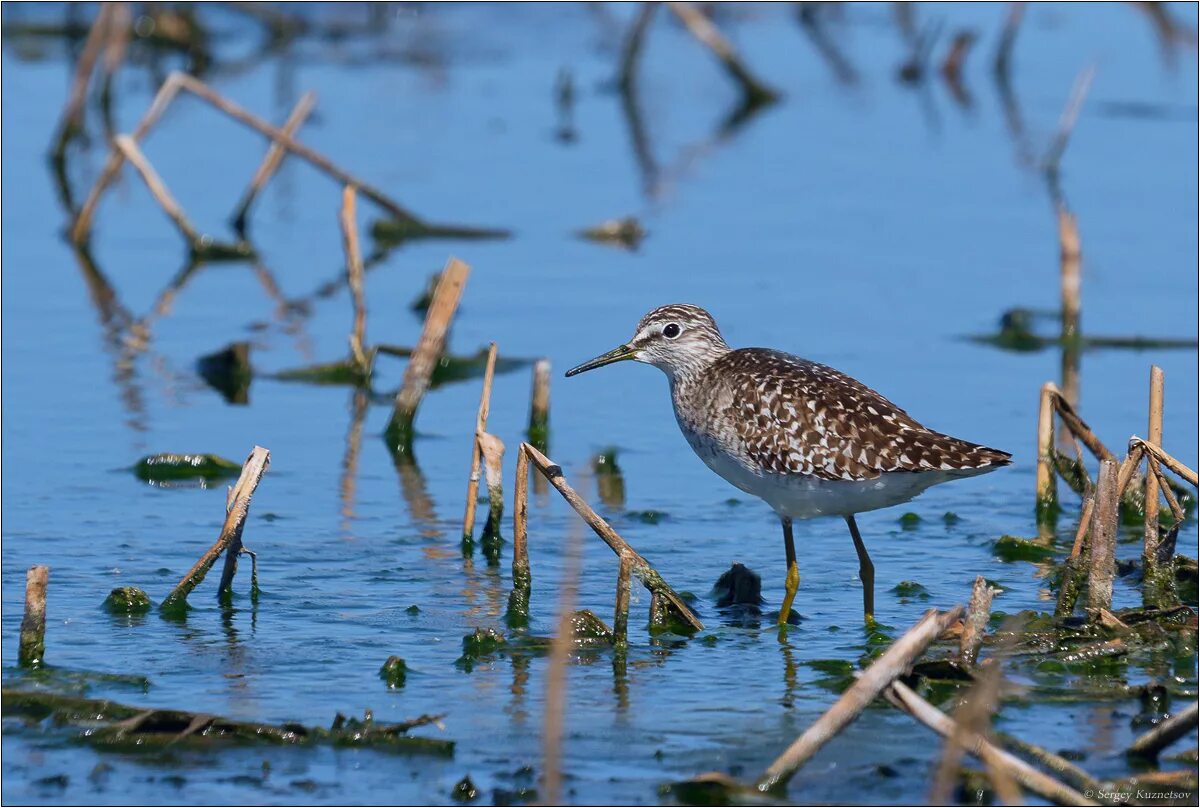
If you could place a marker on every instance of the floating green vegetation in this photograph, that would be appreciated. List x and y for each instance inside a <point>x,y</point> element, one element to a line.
<point>835,674</point>
<point>393,232</point>
<point>228,372</point>
<point>588,629</point>
<point>626,232</point>
<point>209,250</point>
<point>176,468</point>
<point>343,372</point>
<point>110,725</point>
<point>127,600</point>
<point>394,672</point>
<point>909,521</point>
<point>480,645</point>
<point>1016,333</point>
<point>910,590</point>
<point>464,791</point>
<point>951,518</point>
<point>646,517</point>
<point>1011,548</point>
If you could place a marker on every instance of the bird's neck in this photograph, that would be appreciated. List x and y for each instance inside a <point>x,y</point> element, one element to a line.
<point>684,369</point>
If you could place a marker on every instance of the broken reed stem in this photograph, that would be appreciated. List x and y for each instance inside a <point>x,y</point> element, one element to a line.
<point>979,611</point>
<point>1164,485</point>
<point>33,624</point>
<point>518,600</point>
<point>481,416</point>
<point>1066,123</point>
<point>129,150</point>
<point>1079,427</point>
<point>230,538</point>
<point>649,576</point>
<point>539,407</point>
<point>177,81</point>
<point>621,611</point>
<point>703,30</point>
<point>1150,536</point>
<point>1166,733</point>
<point>354,279</point>
<point>1070,264</point>
<point>1046,482</point>
<point>1071,774</point>
<point>874,680</point>
<point>72,116</point>
<point>1073,573</point>
<point>1104,537</point>
<point>1167,460</point>
<point>271,160</point>
<point>493,459</point>
<point>903,698</point>
<point>427,352</point>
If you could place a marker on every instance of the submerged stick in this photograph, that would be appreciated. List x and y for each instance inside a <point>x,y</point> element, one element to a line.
<point>1166,733</point>
<point>158,189</point>
<point>979,611</point>
<point>354,279</point>
<point>649,576</point>
<point>874,680</point>
<point>1104,538</point>
<point>518,600</point>
<point>702,29</point>
<point>903,697</point>
<point>425,356</point>
<point>621,611</point>
<point>33,624</point>
<point>271,161</point>
<point>1046,482</point>
<point>481,417</point>
<point>230,538</point>
<point>1150,536</point>
<point>1070,774</point>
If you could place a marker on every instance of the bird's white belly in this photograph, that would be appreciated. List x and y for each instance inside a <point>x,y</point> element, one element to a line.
<point>801,496</point>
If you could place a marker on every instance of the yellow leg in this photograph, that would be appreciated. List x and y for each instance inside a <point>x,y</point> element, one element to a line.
<point>792,583</point>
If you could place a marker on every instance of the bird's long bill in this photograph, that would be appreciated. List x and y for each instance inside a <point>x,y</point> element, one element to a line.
<point>618,354</point>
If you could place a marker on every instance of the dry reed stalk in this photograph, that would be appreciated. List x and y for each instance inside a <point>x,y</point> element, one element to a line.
<point>230,538</point>
<point>177,81</point>
<point>130,151</point>
<point>556,676</point>
<point>492,449</point>
<point>903,697</point>
<point>98,36</point>
<point>1150,536</point>
<point>1167,460</point>
<point>539,407</point>
<point>427,352</point>
<point>354,279</point>
<point>271,160</point>
<point>1070,264</point>
<point>1073,575</point>
<point>979,611</point>
<point>703,30</point>
<point>649,576</point>
<point>1047,495</point>
<point>1079,428</point>
<point>1164,485</point>
<point>1066,123</point>
<point>1149,744</point>
<point>1104,538</point>
<point>33,624</point>
<point>518,600</point>
<point>481,416</point>
<point>873,681</point>
<point>1067,771</point>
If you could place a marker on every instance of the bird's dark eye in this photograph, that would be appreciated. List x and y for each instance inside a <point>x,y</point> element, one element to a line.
<point>671,330</point>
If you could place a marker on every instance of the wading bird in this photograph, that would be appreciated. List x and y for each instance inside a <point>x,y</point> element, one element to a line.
<point>805,438</point>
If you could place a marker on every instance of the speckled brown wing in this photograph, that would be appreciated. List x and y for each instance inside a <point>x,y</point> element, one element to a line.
<point>793,416</point>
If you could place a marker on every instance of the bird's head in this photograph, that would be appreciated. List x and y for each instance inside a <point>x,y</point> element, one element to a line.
<point>678,339</point>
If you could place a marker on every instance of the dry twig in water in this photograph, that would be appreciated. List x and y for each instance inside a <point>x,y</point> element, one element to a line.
<point>1104,537</point>
<point>271,161</point>
<point>702,29</point>
<point>354,279</point>
<point>230,539</point>
<point>481,416</point>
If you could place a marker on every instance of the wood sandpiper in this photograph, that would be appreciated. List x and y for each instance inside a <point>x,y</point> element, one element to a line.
<point>805,438</point>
